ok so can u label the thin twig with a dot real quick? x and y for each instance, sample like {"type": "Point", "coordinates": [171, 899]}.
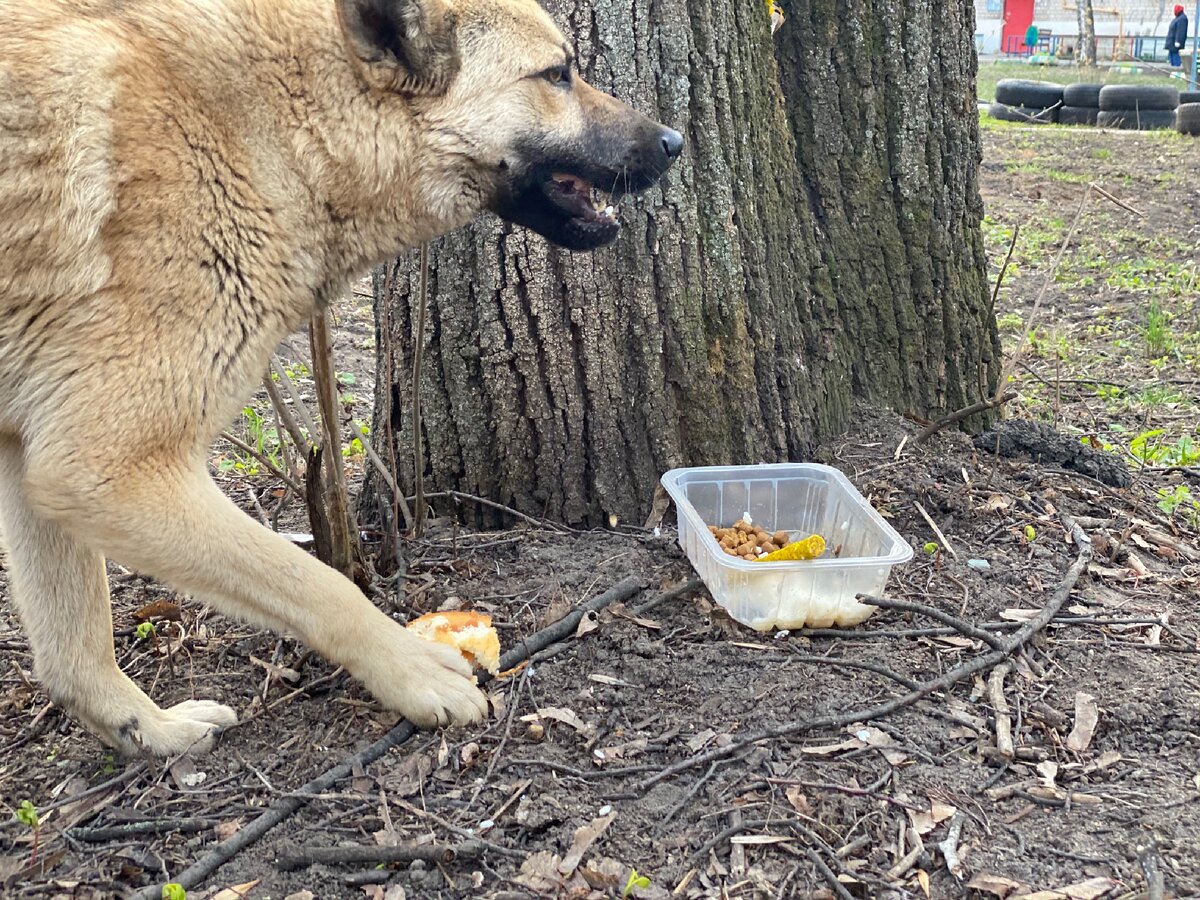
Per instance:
{"type": "Point", "coordinates": [340, 856]}
{"type": "Point", "coordinates": [965, 413]}
{"type": "Point", "coordinates": [1000, 709]}
{"type": "Point", "coordinates": [274, 469]}
{"type": "Point", "coordinates": [952, 677]}
{"type": "Point", "coordinates": [286, 806]}
{"type": "Point", "coordinates": [133, 829]}
{"type": "Point", "coordinates": [290, 425]}
{"type": "Point", "coordinates": [483, 501]}
{"type": "Point", "coordinates": [937, 531]}
{"type": "Point", "coordinates": [385, 473]}
{"type": "Point", "coordinates": [965, 628]}
{"type": "Point", "coordinates": [1012, 245]}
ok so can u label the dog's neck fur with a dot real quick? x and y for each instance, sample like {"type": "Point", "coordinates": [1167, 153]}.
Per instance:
{"type": "Point", "coordinates": [346, 176]}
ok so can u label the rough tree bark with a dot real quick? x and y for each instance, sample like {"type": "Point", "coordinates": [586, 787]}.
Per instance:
{"type": "Point", "coordinates": [1086, 54]}
{"type": "Point", "coordinates": [818, 244]}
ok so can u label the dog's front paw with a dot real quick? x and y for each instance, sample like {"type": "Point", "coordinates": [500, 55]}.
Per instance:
{"type": "Point", "coordinates": [429, 684]}
{"type": "Point", "coordinates": [187, 727]}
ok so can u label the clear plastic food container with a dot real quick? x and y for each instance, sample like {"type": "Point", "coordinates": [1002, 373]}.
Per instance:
{"type": "Point", "coordinates": [802, 499]}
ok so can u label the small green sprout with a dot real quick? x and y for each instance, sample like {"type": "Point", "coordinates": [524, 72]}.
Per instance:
{"type": "Point", "coordinates": [931, 548]}
{"type": "Point", "coordinates": [27, 815]}
{"type": "Point", "coordinates": [173, 891]}
{"type": "Point", "coordinates": [1030, 533]}
{"type": "Point", "coordinates": [635, 882]}
{"type": "Point", "coordinates": [145, 631]}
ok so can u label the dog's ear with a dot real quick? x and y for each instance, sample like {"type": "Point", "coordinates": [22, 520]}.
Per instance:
{"type": "Point", "coordinates": [409, 46]}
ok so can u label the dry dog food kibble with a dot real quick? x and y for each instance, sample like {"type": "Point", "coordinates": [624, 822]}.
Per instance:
{"type": "Point", "coordinates": [745, 540]}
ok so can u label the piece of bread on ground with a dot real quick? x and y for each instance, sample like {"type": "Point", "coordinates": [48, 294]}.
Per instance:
{"type": "Point", "coordinates": [469, 632]}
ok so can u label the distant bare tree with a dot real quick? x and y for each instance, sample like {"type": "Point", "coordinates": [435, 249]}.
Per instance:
{"type": "Point", "coordinates": [1086, 54]}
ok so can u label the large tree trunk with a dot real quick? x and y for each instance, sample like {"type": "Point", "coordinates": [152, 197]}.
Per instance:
{"type": "Point", "coordinates": [818, 243]}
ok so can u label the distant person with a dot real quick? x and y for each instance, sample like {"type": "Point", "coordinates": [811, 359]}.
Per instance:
{"type": "Point", "coordinates": [1031, 38]}
{"type": "Point", "coordinates": [1177, 37]}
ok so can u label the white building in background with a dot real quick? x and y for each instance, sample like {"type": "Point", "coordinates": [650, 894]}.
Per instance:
{"type": "Point", "coordinates": [1125, 29]}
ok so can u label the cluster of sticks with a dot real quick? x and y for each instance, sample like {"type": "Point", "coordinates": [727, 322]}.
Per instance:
{"type": "Point", "coordinates": [1001, 650]}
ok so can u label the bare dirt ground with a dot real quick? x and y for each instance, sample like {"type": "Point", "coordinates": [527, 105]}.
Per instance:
{"type": "Point", "coordinates": [626, 747]}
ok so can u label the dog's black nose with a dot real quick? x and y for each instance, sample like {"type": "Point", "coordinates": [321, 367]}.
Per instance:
{"type": "Point", "coordinates": [672, 143]}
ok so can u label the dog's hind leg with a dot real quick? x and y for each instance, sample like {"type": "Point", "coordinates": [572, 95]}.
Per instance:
{"type": "Point", "coordinates": [61, 593]}
{"type": "Point", "coordinates": [165, 517]}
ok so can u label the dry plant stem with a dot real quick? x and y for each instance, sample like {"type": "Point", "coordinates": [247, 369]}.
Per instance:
{"type": "Point", "coordinates": [937, 531]}
{"type": "Point", "coordinates": [298, 406]}
{"type": "Point", "coordinates": [286, 806]}
{"type": "Point", "coordinates": [386, 474]}
{"type": "Point", "coordinates": [483, 501]}
{"type": "Point", "coordinates": [1000, 708]}
{"type": "Point", "coordinates": [952, 677]}
{"type": "Point", "coordinates": [965, 628]}
{"type": "Point", "coordinates": [271, 467]}
{"type": "Point", "coordinates": [1007, 369]}
{"type": "Point", "coordinates": [1012, 245]}
{"type": "Point", "coordinates": [290, 425]}
{"type": "Point", "coordinates": [418, 360]}
{"type": "Point", "coordinates": [439, 853]}
{"type": "Point", "coordinates": [964, 413]}
{"type": "Point", "coordinates": [342, 533]}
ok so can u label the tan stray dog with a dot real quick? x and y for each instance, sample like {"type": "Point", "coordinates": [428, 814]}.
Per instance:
{"type": "Point", "coordinates": [182, 182]}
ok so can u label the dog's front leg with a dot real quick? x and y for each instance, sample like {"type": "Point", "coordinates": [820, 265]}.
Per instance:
{"type": "Point", "coordinates": [170, 521]}
{"type": "Point", "coordinates": [60, 590]}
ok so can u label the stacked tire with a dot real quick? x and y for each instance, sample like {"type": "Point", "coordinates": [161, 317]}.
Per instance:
{"type": "Point", "coordinates": [1187, 118]}
{"type": "Point", "coordinates": [1081, 104]}
{"type": "Point", "coordinates": [1030, 102]}
{"type": "Point", "coordinates": [1140, 107]}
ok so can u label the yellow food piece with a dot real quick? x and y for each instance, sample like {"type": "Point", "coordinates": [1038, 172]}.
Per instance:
{"type": "Point", "coordinates": [809, 548]}
{"type": "Point", "coordinates": [471, 633]}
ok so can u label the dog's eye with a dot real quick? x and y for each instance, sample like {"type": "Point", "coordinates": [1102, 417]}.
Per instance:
{"type": "Point", "coordinates": [558, 75]}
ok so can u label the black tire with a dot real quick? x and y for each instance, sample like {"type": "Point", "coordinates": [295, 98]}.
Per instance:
{"type": "Point", "coordinates": [1187, 119]}
{"type": "Point", "coordinates": [1142, 97]}
{"type": "Point", "coordinates": [1077, 115]}
{"type": "Point", "coordinates": [1189, 97]}
{"type": "Point", "coordinates": [1145, 120]}
{"type": "Point", "coordinates": [1026, 115]}
{"type": "Point", "coordinates": [1082, 95]}
{"type": "Point", "coordinates": [1037, 94]}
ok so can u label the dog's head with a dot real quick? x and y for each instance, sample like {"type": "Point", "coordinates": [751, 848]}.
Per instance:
{"type": "Point", "coordinates": [496, 87]}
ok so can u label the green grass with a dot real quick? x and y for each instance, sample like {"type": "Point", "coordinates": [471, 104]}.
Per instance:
{"type": "Point", "coordinates": [991, 72]}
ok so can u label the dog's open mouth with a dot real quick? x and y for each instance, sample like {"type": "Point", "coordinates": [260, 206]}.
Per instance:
{"type": "Point", "coordinates": [564, 207]}
{"type": "Point", "coordinates": [580, 199]}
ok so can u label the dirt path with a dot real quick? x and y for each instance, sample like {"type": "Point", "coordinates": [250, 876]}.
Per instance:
{"type": "Point", "coordinates": [1112, 806]}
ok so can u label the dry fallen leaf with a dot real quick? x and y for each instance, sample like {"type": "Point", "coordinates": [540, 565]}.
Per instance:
{"type": "Point", "coordinates": [585, 836]}
{"type": "Point", "coordinates": [540, 871]}
{"type": "Point", "coordinates": [1086, 716]}
{"type": "Point", "coordinates": [226, 830]}
{"type": "Point", "coordinates": [300, 895]}
{"type": "Point", "coordinates": [1082, 890]}
{"type": "Point", "coordinates": [589, 623]}
{"type": "Point", "coordinates": [880, 740]}
{"type": "Point", "coordinates": [925, 822]}
{"type": "Point", "coordinates": [159, 609]}
{"type": "Point", "coordinates": [560, 714]}
{"type": "Point", "coordinates": [237, 892]}
{"type": "Point", "coordinates": [994, 884]}
{"type": "Point", "coordinates": [797, 798]}
{"type": "Point", "coordinates": [827, 749]}
{"type": "Point", "coordinates": [923, 880]}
